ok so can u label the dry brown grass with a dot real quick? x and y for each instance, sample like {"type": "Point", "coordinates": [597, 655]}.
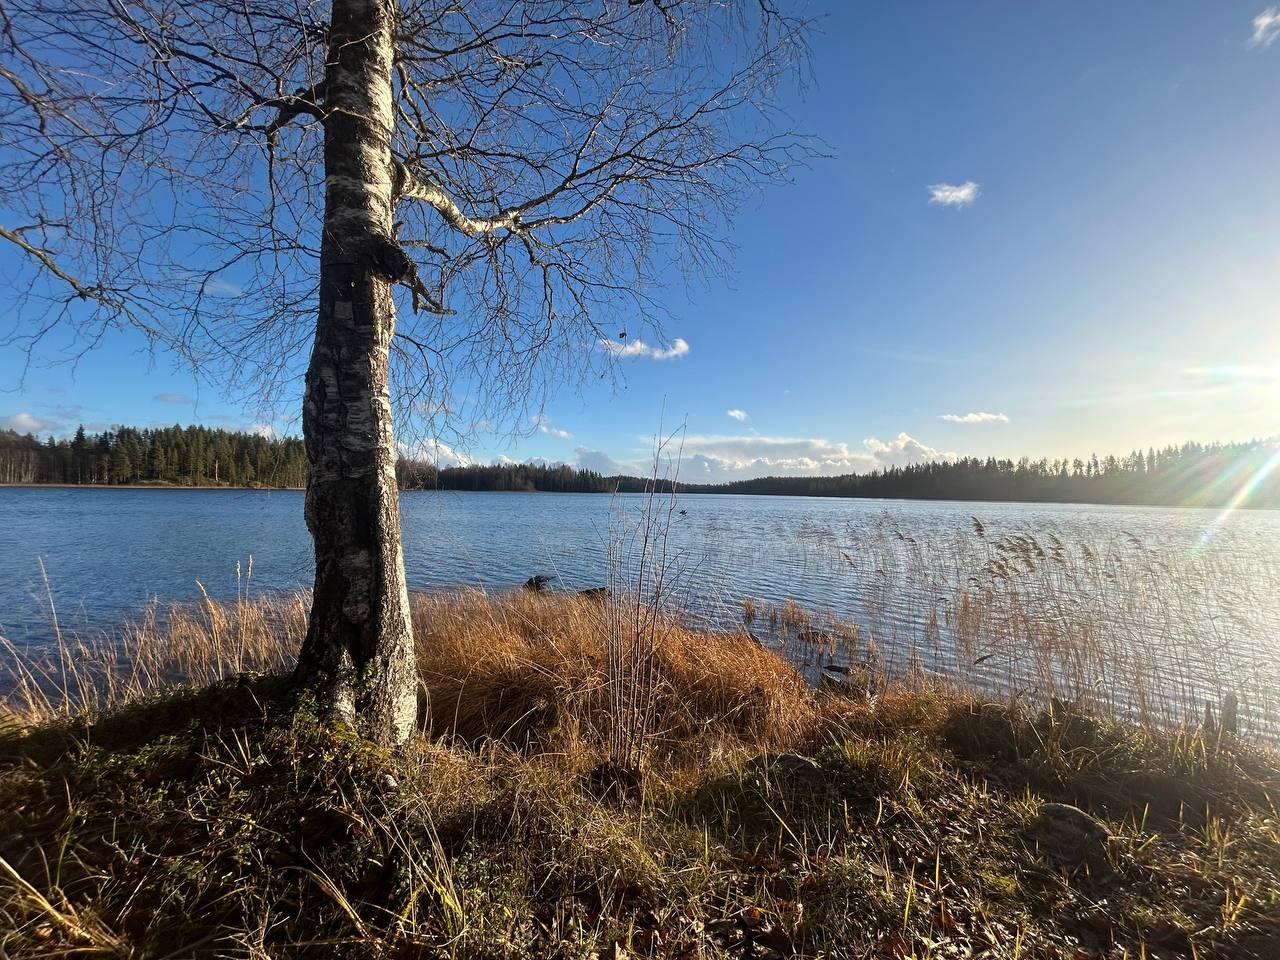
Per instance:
{"type": "Point", "coordinates": [509, 667]}
{"type": "Point", "coordinates": [228, 820]}
{"type": "Point", "coordinates": [166, 645]}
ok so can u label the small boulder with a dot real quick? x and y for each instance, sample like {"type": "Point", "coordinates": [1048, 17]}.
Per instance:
{"type": "Point", "coordinates": [594, 593]}
{"type": "Point", "coordinates": [849, 680]}
{"type": "Point", "coordinates": [786, 766]}
{"type": "Point", "coordinates": [843, 684]}
{"type": "Point", "coordinates": [1067, 833]}
{"type": "Point", "coordinates": [537, 583]}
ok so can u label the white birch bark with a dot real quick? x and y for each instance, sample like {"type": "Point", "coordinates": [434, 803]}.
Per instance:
{"type": "Point", "coordinates": [359, 646]}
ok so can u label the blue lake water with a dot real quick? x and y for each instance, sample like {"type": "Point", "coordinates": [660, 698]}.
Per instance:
{"type": "Point", "coordinates": [107, 551]}
{"type": "Point", "coordinates": [1195, 588]}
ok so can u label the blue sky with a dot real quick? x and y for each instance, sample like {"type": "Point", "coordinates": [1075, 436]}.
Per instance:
{"type": "Point", "coordinates": [1105, 275]}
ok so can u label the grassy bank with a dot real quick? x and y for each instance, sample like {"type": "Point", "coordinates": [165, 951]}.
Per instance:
{"type": "Point", "coordinates": [139, 818]}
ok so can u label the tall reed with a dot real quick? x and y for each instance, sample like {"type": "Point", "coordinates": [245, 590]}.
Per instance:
{"type": "Point", "coordinates": [639, 567]}
{"type": "Point", "coordinates": [1113, 624]}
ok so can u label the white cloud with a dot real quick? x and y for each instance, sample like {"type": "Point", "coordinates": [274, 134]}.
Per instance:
{"type": "Point", "coordinates": [433, 451]}
{"type": "Point", "coordinates": [953, 195]}
{"type": "Point", "coordinates": [544, 426]}
{"type": "Point", "coordinates": [219, 287]}
{"type": "Point", "coordinates": [638, 348]}
{"type": "Point", "coordinates": [28, 423]}
{"type": "Point", "coordinates": [1266, 28]}
{"type": "Point", "coordinates": [978, 417]}
{"type": "Point", "coordinates": [725, 458]}
{"type": "Point", "coordinates": [264, 430]}
{"type": "Point", "coordinates": [601, 462]}
{"type": "Point", "coordinates": [738, 415]}
{"type": "Point", "coordinates": [903, 450]}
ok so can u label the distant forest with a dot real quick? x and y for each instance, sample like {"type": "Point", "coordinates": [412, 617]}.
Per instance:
{"type": "Point", "coordinates": [1193, 474]}
{"type": "Point", "coordinates": [528, 477]}
{"type": "Point", "coordinates": [1189, 475]}
{"type": "Point", "coordinates": [187, 456]}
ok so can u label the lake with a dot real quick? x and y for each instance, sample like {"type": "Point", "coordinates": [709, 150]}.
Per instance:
{"type": "Point", "coordinates": [941, 584]}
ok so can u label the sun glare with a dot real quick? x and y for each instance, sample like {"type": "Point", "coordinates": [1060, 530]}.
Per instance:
{"type": "Point", "coordinates": [1251, 484]}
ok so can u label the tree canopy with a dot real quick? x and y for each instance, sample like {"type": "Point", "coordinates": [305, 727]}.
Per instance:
{"type": "Point", "coordinates": [555, 162]}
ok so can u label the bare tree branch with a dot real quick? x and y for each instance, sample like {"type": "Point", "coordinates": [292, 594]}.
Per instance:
{"type": "Point", "coordinates": [559, 163]}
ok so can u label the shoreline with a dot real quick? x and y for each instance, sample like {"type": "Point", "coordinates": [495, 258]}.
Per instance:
{"type": "Point", "coordinates": [685, 492]}
{"type": "Point", "coordinates": [139, 486]}
{"type": "Point", "coordinates": [874, 817]}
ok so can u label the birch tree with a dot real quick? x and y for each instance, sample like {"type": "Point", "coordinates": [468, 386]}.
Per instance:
{"type": "Point", "coordinates": [441, 199]}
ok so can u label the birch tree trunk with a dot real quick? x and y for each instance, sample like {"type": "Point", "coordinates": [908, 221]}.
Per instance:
{"type": "Point", "coordinates": [359, 647]}
{"type": "Point", "coordinates": [551, 159]}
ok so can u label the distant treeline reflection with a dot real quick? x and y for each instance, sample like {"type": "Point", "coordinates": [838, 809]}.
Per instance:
{"type": "Point", "coordinates": [1193, 474]}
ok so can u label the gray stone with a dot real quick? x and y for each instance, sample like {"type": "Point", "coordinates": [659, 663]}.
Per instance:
{"type": "Point", "coordinates": [1068, 833]}
{"type": "Point", "coordinates": [789, 766]}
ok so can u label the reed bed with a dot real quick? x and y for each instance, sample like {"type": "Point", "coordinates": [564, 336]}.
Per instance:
{"type": "Point", "coordinates": [511, 666]}
{"type": "Point", "coordinates": [166, 645]}
{"type": "Point", "coordinates": [1111, 627]}
{"type": "Point", "coordinates": [1161, 639]}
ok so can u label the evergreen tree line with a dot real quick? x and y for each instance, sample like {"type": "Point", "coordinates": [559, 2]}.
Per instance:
{"type": "Point", "coordinates": [189, 456]}
{"type": "Point", "coordinates": [423, 475]}
{"type": "Point", "coordinates": [1192, 474]}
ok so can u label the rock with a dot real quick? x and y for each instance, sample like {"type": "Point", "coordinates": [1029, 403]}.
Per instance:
{"type": "Point", "coordinates": [790, 766]}
{"type": "Point", "coordinates": [537, 583]}
{"type": "Point", "coordinates": [1230, 713]}
{"type": "Point", "coordinates": [850, 680]}
{"type": "Point", "coordinates": [594, 593]}
{"type": "Point", "coordinates": [841, 682]}
{"type": "Point", "coordinates": [1068, 833]}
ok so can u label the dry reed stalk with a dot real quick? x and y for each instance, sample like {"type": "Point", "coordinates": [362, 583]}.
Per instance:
{"type": "Point", "coordinates": [1111, 625]}
{"type": "Point", "coordinates": [639, 567]}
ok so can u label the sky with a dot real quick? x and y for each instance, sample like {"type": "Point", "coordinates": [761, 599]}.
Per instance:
{"type": "Point", "coordinates": [1043, 230]}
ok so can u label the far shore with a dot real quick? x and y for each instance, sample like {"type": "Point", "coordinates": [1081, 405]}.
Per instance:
{"type": "Point", "coordinates": [140, 486]}
{"type": "Point", "coordinates": [683, 491]}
